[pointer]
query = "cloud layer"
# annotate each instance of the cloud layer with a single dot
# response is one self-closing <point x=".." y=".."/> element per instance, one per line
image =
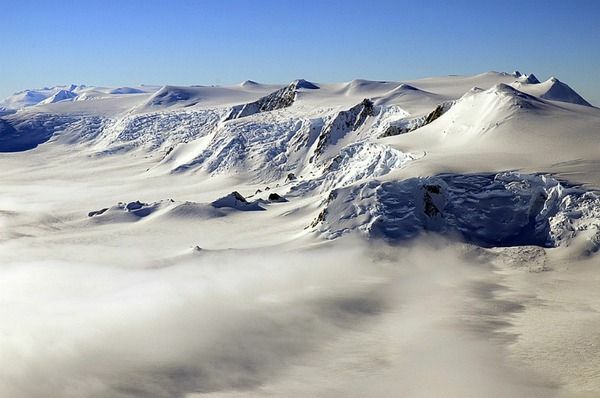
<point x="347" y="320"/>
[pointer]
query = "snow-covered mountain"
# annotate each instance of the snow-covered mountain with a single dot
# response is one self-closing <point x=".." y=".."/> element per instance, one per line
<point x="188" y="183"/>
<point x="327" y="136"/>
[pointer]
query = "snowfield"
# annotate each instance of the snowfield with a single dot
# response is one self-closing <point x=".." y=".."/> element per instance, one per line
<point x="436" y="237"/>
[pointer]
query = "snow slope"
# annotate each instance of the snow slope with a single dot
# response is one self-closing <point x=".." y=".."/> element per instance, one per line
<point x="552" y="89"/>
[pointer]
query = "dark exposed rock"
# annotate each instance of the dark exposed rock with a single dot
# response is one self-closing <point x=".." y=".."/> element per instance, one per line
<point x="418" y="122"/>
<point x="274" y="197"/>
<point x="135" y="205"/>
<point x="433" y="188"/>
<point x="343" y="123"/>
<point x="236" y="201"/>
<point x="394" y="130"/>
<point x="436" y="113"/>
<point x="319" y="219"/>
<point x="431" y="209"/>
<point x="239" y="196"/>
<point x="291" y="177"/>
<point x="97" y="212"/>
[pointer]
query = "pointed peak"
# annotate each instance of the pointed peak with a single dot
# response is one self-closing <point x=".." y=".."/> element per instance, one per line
<point x="248" y="83"/>
<point x="301" y="83"/>
<point x="528" y="79"/>
<point x="532" y="79"/>
<point x="405" y="86"/>
<point x="506" y="91"/>
<point x="472" y="91"/>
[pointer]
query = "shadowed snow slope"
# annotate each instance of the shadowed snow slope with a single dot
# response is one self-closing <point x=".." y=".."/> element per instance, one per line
<point x="552" y="89"/>
<point x="126" y="90"/>
<point x="503" y="119"/>
<point x="62" y="95"/>
<point x="507" y="209"/>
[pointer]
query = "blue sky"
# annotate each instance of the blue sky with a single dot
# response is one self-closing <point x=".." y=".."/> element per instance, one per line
<point x="119" y="42"/>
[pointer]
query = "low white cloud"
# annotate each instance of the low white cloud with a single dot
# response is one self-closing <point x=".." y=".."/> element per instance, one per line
<point x="349" y="319"/>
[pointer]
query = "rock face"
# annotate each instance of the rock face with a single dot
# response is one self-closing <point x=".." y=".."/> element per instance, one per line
<point x="529" y="79"/>
<point x="431" y="192"/>
<point x="275" y="197"/>
<point x="395" y="130"/>
<point x="343" y="123"/>
<point x="436" y="113"/>
<point x="135" y="205"/>
<point x="418" y="122"/>
<point x="279" y="99"/>
<point x="97" y="212"/>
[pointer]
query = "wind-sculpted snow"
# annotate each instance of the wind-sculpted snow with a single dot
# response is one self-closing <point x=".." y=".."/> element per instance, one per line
<point x="354" y="163"/>
<point x="552" y="89"/>
<point x="126" y="90"/>
<point x="28" y="98"/>
<point x="506" y="209"/>
<point x="153" y="130"/>
<point x="389" y="117"/>
<point x="168" y="95"/>
<point x="265" y="146"/>
<point x="62" y="95"/>
<point x="268" y="146"/>
<point x="127" y="212"/>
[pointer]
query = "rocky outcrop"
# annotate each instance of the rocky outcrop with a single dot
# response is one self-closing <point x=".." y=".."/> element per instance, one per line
<point x="97" y="212"/>
<point x="418" y="122"/>
<point x="126" y="212"/>
<point x="275" y="197"/>
<point x="282" y="98"/>
<point x="430" y="207"/>
<point x="395" y="130"/>
<point x="343" y="123"/>
<point x="235" y="200"/>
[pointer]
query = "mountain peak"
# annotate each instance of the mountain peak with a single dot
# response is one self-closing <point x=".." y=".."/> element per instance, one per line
<point x="301" y="83"/>
<point x="556" y="90"/>
<point x="248" y="83"/>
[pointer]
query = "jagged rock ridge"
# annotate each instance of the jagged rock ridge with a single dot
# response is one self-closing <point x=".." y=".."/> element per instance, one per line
<point x="279" y="99"/>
